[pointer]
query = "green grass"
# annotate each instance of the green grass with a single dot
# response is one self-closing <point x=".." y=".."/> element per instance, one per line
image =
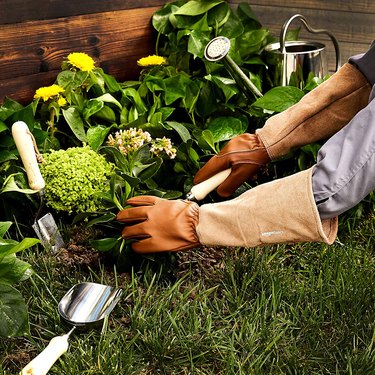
<point x="304" y="309"/>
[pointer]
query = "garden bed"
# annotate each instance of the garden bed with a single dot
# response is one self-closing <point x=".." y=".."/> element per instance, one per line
<point x="115" y="117"/>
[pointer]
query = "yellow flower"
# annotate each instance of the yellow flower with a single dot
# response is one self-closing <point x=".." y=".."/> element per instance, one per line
<point x="48" y="92"/>
<point x="61" y="101"/>
<point x="81" y="61"/>
<point x="152" y="60"/>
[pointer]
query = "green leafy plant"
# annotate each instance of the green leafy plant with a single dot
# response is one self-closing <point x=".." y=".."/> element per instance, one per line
<point x="74" y="178"/>
<point x="13" y="310"/>
<point x="179" y="96"/>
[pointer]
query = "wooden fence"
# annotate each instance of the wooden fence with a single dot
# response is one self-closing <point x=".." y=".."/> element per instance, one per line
<point x="36" y="35"/>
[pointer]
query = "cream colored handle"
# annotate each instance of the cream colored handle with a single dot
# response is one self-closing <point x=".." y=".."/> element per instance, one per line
<point x="25" y="146"/>
<point x="201" y="190"/>
<point x="41" y="364"/>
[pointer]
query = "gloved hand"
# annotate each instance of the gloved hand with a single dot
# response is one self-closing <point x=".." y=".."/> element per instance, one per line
<point x="245" y="154"/>
<point x="160" y="224"/>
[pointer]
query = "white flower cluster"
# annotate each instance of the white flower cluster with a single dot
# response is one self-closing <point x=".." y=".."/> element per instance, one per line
<point x="129" y="140"/>
<point x="163" y="145"/>
<point x="132" y="139"/>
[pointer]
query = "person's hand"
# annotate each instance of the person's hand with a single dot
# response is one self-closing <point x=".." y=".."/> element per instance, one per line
<point x="159" y="224"/>
<point x="244" y="154"/>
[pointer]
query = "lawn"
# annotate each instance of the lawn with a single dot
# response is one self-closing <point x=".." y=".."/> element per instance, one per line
<point x="302" y="309"/>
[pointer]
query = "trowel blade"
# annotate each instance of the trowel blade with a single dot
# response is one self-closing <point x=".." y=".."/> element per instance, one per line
<point x="48" y="233"/>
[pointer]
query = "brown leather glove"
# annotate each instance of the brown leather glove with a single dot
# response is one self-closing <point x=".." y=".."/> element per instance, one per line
<point x="160" y="224"/>
<point x="245" y="154"/>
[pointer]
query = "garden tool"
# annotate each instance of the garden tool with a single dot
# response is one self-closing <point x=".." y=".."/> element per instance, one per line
<point x="201" y="190"/>
<point x="245" y="154"/>
<point x="217" y="50"/>
<point x="300" y="58"/>
<point x="44" y="227"/>
<point x="84" y="305"/>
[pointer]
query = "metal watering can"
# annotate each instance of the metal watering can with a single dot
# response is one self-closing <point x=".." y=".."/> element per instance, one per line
<point x="296" y="59"/>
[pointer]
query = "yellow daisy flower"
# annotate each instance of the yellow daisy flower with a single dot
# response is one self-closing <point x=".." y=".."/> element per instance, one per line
<point x="81" y="61"/>
<point x="61" y="101"/>
<point x="48" y="92"/>
<point x="152" y="60"/>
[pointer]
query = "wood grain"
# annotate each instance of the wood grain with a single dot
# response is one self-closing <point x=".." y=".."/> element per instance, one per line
<point x="16" y="11"/>
<point x="116" y="40"/>
<point x="35" y="36"/>
<point x="354" y="30"/>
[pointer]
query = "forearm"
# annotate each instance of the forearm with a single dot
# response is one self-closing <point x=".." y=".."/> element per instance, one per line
<point x="345" y="170"/>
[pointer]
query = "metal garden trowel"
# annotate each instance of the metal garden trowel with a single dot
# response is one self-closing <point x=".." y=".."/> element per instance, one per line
<point x="84" y="305"/>
<point x="44" y="227"/>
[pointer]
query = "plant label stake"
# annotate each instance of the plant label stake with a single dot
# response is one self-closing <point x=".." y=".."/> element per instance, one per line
<point x="44" y="227"/>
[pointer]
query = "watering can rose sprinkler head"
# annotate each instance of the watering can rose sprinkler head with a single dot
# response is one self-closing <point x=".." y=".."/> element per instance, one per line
<point x="217" y="50"/>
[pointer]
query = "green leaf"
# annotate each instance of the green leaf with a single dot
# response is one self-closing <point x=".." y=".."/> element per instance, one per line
<point x="105" y="244"/>
<point x="111" y="82"/>
<point x="195" y="7"/>
<point x="92" y="106"/>
<point x="74" y="120"/>
<point x="7" y="155"/>
<point x="107" y="114"/>
<point x="225" y="128"/>
<point x="8" y="108"/>
<point x="226" y="85"/>
<point x="4" y="226"/>
<point x="102" y="219"/>
<point x="96" y="136"/>
<point x="13" y="313"/>
<point x="206" y="103"/>
<point x="279" y="98"/>
<point x="8" y="247"/>
<point x="147" y="170"/>
<point x="3" y="127"/>
<point x="197" y="42"/>
<point x="180" y="129"/>
<point x="161" y="19"/>
<point x="108" y="98"/>
<point x="11" y="185"/>
<point x="251" y="42"/>
<point x="246" y="15"/>
<point x="13" y="270"/>
<point x="232" y="28"/>
<point x="175" y="87"/>
<point x="72" y="80"/>
<point x="208" y="137"/>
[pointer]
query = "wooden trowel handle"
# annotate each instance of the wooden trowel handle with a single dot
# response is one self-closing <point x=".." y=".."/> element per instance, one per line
<point x="41" y="364"/>
<point x="25" y="146"/>
<point x="200" y="191"/>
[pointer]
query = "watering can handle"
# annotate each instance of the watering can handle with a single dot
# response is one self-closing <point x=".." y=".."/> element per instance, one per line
<point x="311" y="30"/>
<point x="41" y="364"/>
<point x="25" y="144"/>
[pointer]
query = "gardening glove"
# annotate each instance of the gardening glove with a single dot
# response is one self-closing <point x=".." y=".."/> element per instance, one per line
<point x="159" y="224"/>
<point x="244" y="154"/>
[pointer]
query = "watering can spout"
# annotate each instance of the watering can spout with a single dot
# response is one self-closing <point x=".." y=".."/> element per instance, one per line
<point x="217" y="50"/>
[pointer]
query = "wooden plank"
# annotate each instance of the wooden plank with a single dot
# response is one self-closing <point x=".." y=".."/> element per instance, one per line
<point x="353" y="31"/>
<point x="114" y="39"/>
<point x="16" y="11"/>
<point x="360" y="6"/>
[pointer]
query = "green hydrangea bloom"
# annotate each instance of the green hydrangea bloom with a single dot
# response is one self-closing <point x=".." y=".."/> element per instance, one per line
<point x="74" y="177"/>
